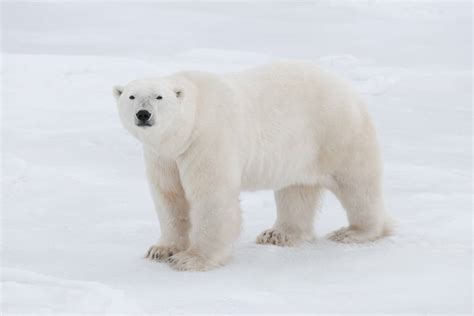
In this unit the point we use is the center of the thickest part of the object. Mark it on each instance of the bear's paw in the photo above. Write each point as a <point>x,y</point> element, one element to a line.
<point>277,238</point>
<point>351,235</point>
<point>188,261</point>
<point>160,252</point>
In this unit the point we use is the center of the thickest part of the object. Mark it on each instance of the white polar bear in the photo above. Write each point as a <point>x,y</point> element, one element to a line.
<point>290,127</point>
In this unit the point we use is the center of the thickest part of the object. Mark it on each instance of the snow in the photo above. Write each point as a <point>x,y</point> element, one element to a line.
<point>77,216</point>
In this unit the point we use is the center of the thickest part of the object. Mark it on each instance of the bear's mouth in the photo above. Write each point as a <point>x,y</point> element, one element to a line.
<point>144,124</point>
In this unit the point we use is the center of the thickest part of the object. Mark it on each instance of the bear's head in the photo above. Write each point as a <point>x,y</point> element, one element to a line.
<point>159,112</point>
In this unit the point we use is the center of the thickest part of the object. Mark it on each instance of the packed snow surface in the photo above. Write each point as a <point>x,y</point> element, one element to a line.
<point>77,216</point>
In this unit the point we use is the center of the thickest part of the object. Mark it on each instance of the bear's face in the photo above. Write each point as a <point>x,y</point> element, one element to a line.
<point>155,111</point>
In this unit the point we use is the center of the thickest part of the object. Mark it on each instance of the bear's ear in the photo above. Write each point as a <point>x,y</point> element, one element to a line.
<point>117,91</point>
<point>179,93</point>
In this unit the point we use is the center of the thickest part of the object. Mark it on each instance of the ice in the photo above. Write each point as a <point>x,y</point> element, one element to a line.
<point>77,216</point>
<point>48,294</point>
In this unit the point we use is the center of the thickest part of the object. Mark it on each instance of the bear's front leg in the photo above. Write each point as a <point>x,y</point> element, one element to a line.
<point>171,206</point>
<point>213,195</point>
<point>215,225</point>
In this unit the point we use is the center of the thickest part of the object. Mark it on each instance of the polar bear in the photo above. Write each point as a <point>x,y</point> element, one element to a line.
<point>290,127</point>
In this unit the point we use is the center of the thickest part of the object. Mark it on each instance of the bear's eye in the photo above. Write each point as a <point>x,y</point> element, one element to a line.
<point>159,97</point>
<point>131,97</point>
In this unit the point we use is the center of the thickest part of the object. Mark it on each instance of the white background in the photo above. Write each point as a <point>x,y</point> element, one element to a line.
<point>77,216</point>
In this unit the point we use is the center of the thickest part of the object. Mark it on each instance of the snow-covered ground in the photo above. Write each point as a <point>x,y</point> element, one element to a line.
<point>77,217</point>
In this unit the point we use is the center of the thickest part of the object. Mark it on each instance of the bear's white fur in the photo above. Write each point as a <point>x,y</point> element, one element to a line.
<point>290,127</point>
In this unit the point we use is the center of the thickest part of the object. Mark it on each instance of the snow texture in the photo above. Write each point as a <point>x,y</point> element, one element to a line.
<point>77,216</point>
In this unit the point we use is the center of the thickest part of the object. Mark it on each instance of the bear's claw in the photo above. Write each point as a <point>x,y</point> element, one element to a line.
<point>277,238</point>
<point>161,253</point>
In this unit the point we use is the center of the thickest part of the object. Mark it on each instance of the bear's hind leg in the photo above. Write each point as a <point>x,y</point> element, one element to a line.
<point>296,208</point>
<point>363,202</point>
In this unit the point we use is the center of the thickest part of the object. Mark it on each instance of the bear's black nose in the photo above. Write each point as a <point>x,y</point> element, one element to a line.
<point>143,115</point>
